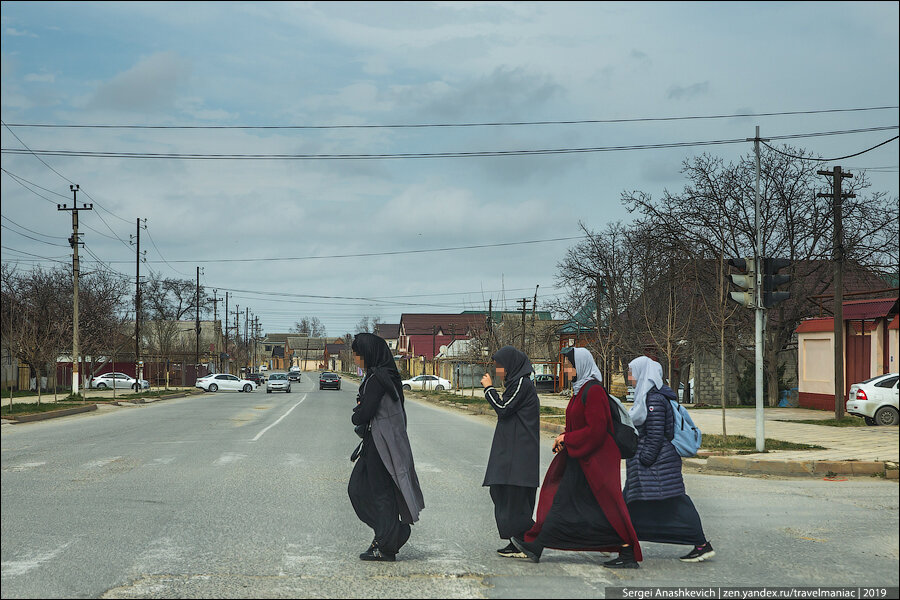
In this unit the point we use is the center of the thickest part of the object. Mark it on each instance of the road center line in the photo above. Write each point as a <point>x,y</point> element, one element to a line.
<point>260,434</point>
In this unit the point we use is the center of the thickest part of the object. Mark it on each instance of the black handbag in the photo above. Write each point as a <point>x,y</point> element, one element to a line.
<point>356,452</point>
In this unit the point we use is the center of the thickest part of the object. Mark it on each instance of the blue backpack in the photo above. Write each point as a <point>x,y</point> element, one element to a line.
<point>687,435</point>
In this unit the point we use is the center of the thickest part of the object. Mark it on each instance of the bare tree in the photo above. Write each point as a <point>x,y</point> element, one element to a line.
<point>310,327</point>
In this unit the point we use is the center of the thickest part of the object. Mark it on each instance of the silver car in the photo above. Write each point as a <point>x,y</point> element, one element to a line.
<point>278,382</point>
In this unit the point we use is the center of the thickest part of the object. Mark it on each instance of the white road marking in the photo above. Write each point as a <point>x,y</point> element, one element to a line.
<point>260,434</point>
<point>230,457</point>
<point>24,467</point>
<point>20,567</point>
<point>96,464</point>
<point>165,460</point>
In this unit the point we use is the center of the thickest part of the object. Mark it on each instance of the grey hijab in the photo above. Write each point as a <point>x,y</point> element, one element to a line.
<point>585,369</point>
<point>647,374</point>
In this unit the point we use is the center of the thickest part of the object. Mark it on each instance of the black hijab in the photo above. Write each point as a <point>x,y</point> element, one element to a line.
<point>379,361</point>
<point>516,364</point>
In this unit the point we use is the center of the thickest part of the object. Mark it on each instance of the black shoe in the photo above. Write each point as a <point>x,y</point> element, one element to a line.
<point>699,553</point>
<point>531,551</point>
<point>625,560</point>
<point>376,554</point>
<point>511,552</point>
<point>371,546</point>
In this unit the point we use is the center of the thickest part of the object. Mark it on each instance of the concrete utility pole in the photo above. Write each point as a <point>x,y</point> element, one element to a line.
<point>237,329</point>
<point>247,334</point>
<point>524,302</point>
<point>837,204</point>
<point>138,366</point>
<point>227,314</point>
<point>197,326</point>
<point>74,242</point>
<point>760,310</point>
<point>215,300</point>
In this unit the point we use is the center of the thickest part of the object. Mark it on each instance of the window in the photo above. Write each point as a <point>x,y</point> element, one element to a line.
<point>221,376</point>
<point>231,378</point>
<point>888,382</point>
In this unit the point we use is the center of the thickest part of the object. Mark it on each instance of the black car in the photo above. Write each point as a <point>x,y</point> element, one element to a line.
<point>545,383</point>
<point>294,375</point>
<point>257,378</point>
<point>329,380</point>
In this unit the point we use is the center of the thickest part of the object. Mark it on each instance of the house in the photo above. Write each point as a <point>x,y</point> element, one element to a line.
<point>390,333</point>
<point>421,336</point>
<point>305,352</point>
<point>334,356</point>
<point>270,351</point>
<point>870,338</point>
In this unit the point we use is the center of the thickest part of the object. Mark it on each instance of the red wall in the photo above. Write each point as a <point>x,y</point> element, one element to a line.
<point>817,401</point>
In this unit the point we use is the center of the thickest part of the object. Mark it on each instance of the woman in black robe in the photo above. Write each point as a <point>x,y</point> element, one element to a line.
<point>383,488</point>
<point>513,470</point>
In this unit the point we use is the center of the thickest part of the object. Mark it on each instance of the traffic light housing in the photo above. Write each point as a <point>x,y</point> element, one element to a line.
<point>771,280</point>
<point>746,280</point>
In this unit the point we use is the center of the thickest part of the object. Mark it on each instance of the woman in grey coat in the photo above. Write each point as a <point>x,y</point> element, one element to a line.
<point>383,488</point>
<point>660,509</point>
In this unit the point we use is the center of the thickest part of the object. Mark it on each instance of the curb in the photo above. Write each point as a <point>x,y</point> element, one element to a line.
<point>802,467</point>
<point>52,414</point>
<point>479,409</point>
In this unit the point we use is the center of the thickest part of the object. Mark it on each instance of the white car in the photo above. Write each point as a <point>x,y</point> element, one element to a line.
<point>278,382</point>
<point>875,400</point>
<point>118,381</point>
<point>224,381</point>
<point>426,382</point>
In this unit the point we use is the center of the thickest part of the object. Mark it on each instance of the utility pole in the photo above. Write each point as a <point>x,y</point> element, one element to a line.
<point>74,241</point>
<point>837,204</point>
<point>524,302</point>
<point>255,339</point>
<point>138,366</point>
<point>247,335</point>
<point>237,330</point>
<point>533,317</point>
<point>433,350</point>
<point>197,327</point>
<point>228,360</point>
<point>760,310</point>
<point>215,300</point>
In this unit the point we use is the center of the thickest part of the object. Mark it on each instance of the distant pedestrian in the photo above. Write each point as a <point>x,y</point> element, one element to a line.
<point>513,469</point>
<point>383,488</point>
<point>581,505</point>
<point>660,509</point>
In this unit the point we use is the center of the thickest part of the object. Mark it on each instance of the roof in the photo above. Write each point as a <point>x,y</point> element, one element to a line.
<point>816,325</point>
<point>277,338</point>
<point>869,309</point>
<point>335,348</point>
<point>302,343</point>
<point>429,345</point>
<point>423,323</point>
<point>895,324</point>
<point>388,331</point>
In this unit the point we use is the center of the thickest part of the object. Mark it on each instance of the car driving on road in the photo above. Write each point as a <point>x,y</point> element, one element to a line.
<point>278,382</point>
<point>426,382</point>
<point>331,380</point>
<point>225,382</point>
<point>293,376</point>
<point>875,400</point>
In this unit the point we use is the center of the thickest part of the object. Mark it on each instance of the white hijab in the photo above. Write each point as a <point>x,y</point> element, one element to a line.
<point>647,374</point>
<point>585,369</point>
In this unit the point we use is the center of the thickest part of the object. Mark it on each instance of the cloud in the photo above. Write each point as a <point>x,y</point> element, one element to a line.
<point>150,85</point>
<point>15,32</point>
<point>677,92</point>
<point>41,78</point>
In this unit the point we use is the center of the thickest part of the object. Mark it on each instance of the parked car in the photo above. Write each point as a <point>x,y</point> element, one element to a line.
<point>294,375</point>
<point>328,379</point>
<point>257,378</point>
<point>546,383</point>
<point>118,381</point>
<point>224,381</point>
<point>426,382</point>
<point>875,400</point>
<point>278,382</point>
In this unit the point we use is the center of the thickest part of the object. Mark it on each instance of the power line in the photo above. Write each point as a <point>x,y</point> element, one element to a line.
<point>56,237</point>
<point>830,159</point>
<point>35,255</point>
<point>147,229</point>
<point>450,125</point>
<point>31,237</point>
<point>366,254</point>
<point>472,154</point>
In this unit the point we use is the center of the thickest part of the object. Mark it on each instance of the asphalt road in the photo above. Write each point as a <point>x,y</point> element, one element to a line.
<point>244,495</point>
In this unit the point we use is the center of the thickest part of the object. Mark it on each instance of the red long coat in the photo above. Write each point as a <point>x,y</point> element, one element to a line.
<point>587,439</point>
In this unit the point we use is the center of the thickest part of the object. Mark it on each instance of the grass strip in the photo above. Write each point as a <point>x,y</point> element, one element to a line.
<point>32,408</point>
<point>847,421</point>
<point>740,442</point>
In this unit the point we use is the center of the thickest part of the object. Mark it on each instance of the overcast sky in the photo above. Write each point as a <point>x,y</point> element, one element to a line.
<point>315,64</point>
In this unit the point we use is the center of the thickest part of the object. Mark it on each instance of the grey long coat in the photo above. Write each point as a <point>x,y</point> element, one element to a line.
<point>391,441</point>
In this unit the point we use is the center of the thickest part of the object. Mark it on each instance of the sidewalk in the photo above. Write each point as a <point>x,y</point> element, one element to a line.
<point>89,394</point>
<point>848,450</point>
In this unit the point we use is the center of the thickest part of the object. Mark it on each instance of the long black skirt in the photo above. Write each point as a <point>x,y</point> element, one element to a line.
<point>513,509</point>
<point>670,521</point>
<point>576,521</point>
<point>376,499</point>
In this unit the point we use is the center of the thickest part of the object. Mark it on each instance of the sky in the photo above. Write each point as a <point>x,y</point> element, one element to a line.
<point>323,65</point>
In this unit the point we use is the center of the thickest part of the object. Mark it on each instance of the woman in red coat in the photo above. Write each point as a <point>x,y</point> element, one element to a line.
<point>581,505</point>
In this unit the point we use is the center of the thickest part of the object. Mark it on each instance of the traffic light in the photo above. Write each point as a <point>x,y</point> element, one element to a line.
<point>771,280</point>
<point>747,281</point>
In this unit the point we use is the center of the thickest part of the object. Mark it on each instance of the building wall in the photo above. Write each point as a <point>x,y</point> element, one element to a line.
<point>709,380</point>
<point>893,349</point>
